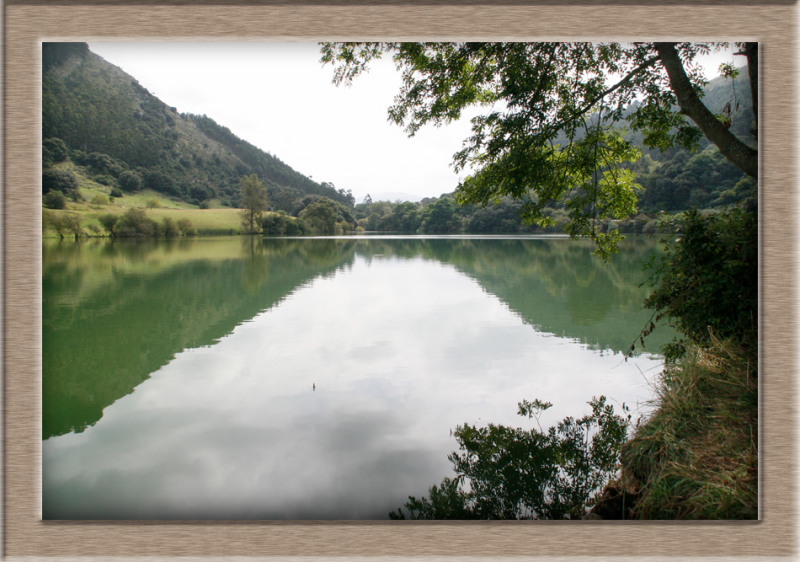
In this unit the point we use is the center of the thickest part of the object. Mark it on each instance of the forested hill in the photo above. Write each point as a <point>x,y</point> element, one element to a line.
<point>115,127</point>
<point>678,179</point>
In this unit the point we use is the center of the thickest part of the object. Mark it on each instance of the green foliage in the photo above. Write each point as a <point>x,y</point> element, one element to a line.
<point>103,164</point>
<point>136,223</point>
<point>702,180</point>
<point>281,224</point>
<point>59,180</point>
<point>169,228</point>
<point>55,200</point>
<point>320,217</point>
<point>64,223</point>
<point>56,54</point>
<point>254,201</point>
<point>53,152</point>
<point>706,283</point>
<point>446,501</point>
<point>406,217</point>
<point>324,216</point>
<point>546,136</point>
<point>130,181</point>
<point>185,227</point>
<point>160,181</point>
<point>516,473</point>
<point>109,222</point>
<point>441,217</point>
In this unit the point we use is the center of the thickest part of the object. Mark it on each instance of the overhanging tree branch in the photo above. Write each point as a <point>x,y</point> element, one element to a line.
<point>731,147</point>
<point>625,80</point>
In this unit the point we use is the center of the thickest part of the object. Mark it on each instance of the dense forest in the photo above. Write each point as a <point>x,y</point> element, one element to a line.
<point>116,134</point>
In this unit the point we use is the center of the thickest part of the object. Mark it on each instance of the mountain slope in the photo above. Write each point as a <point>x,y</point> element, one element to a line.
<point>97,109</point>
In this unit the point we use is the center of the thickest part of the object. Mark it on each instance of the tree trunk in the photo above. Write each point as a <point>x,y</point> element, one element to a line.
<point>731,147</point>
<point>751,52</point>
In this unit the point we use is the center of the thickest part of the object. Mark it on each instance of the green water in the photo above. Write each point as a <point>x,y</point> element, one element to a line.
<point>241,378</point>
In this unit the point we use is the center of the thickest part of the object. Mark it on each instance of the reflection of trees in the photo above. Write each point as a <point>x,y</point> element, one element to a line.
<point>560,288</point>
<point>116,311</point>
<point>256,264</point>
<point>554,284</point>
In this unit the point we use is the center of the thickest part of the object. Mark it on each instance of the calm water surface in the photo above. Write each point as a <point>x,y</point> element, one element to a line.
<point>237,378</point>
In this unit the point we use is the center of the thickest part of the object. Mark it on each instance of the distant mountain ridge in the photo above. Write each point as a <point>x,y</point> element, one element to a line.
<point>98,109</point>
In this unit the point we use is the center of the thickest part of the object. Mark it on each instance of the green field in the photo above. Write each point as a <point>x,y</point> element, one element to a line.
<point>97,202</point>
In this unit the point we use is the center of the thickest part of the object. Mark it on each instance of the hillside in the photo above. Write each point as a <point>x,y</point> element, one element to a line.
<point>678,179</point>
<point>105,135</point>
<point>129,139</point>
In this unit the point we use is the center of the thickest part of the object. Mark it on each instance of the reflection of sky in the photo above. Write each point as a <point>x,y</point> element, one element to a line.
<point>401,351</point>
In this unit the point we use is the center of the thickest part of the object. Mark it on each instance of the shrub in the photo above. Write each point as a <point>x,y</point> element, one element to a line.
<point>64,223</point>
<point>707,279</point>
<point>320,216</point>
<point>55,200</point>
<point>136,223</point>
<point>105,164</point>
<point>159,181</point>
<point>59,180</point>
<point>281,224</point>
<point>185,227</point>
<point>104,179</point>
<point>53,151</point>
<point>75,195</point>
<point>129,181</point>
<point>169,228</point>
<point>109,221</point>
<point>199,192</point>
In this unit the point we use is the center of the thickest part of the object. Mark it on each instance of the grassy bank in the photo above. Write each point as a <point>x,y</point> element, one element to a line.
<point>212,221</point>
<point>95,200</point>
<point>696,457</point>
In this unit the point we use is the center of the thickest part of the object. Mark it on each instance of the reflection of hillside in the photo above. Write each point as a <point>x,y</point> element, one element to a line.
<point>114,312</point>
<point>559,288</point>
<point>106,329</point>
<point>553,284</point>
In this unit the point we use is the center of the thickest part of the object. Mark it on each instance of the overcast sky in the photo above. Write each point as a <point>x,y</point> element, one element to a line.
<point>280,98</point>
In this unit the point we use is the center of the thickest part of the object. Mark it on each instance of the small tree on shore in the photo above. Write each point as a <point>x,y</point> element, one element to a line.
<point>64,223</point>
<point>254,202</point>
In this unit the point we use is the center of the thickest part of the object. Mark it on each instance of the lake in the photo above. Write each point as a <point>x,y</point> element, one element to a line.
<point>314,378</point>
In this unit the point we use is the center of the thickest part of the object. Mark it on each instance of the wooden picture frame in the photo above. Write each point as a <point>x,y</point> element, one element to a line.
<point>29,22</point>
